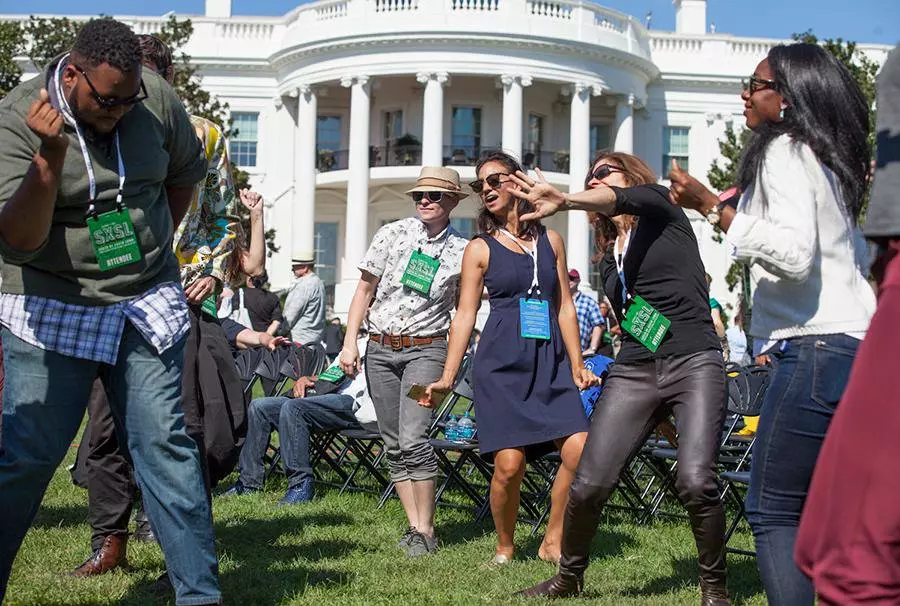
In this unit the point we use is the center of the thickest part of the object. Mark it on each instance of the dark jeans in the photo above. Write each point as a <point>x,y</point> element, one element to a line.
<point>810,380</point>
<point>44,402</point>
<point>635,398</point>
<point>294,419</point>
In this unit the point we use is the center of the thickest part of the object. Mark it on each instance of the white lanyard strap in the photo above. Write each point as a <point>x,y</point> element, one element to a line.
<point>89,165</point>
<point>620,263</point>
<point>533,253</point>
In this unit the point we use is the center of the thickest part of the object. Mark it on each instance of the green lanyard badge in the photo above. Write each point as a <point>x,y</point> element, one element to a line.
<point>420,272</point>
<point>113,239</point>
<point>645,324</point>
<point>332,374</point>
<point>209,306</point>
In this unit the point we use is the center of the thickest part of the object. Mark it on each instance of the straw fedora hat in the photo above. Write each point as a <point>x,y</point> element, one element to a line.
<point>304,257</point>
<point>437,178</point>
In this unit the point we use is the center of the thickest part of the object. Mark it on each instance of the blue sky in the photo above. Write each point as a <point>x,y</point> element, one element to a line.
<point>860,20</point>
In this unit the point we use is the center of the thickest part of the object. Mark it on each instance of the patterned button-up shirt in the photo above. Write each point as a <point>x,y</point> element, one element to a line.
<point>206,235</point>
<point>398,309</point>
<point>588,317</point>
<point>95,333</point>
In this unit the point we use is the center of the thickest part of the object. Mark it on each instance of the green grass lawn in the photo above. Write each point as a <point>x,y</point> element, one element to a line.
<point>342,550</point>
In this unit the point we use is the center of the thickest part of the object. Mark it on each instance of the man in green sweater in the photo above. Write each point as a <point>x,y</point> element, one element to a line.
<point>97,163</point>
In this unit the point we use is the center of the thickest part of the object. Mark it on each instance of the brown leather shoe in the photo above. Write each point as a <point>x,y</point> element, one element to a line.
<point>714,595</point>
<point>110,555</point>
<point>557,586</point>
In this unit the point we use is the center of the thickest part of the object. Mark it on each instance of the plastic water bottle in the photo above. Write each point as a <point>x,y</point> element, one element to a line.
<point>451,429</point>
<point>465,428</point>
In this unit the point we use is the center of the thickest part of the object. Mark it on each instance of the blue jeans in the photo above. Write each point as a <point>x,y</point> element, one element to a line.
<point>44,401</point>
<point>809,381</point>
<point>294,419</point>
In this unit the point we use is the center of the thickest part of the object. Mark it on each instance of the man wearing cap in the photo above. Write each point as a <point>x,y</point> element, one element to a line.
<point>412,271</point>
<point>590,322</point>
<point>304,307</point>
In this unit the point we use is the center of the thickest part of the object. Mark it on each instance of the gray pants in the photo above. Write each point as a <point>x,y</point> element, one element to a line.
<point>402,422</point>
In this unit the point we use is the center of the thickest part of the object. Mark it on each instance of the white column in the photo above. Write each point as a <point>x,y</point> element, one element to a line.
<point>281,186</point>
<point>511,138</point>
<point>433,117</point>
<point>304,217</point>
<point>625,125</point>
<point>579,245</point>
<point>357,219</point>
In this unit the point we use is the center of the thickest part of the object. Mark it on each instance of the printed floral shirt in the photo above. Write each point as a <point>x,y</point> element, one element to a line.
<point>398,309</point>
<point>205,237</point>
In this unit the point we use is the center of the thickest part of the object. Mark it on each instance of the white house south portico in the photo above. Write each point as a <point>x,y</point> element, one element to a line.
<point>338,104</point>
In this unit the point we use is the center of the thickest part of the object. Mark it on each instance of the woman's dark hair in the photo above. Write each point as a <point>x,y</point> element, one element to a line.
<point>636,172</point>
<point>487,222</point>
<point>234,263</point>
<point>826,110</point>
<point>157,52</point>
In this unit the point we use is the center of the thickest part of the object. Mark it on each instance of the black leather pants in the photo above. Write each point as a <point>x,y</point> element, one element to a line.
<point>635,398</point>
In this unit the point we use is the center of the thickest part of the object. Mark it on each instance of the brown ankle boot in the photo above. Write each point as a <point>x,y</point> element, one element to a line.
<point>110,555</point>
<point>557,586</point>
<point>714,595</point>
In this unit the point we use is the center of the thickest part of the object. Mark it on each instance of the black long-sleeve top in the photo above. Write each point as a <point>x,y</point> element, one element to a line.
<point>662,265</point>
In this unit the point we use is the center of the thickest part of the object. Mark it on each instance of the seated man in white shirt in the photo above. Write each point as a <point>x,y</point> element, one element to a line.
<point>347,407</point>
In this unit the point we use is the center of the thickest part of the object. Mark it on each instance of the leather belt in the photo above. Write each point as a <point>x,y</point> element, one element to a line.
<point>398,342</point>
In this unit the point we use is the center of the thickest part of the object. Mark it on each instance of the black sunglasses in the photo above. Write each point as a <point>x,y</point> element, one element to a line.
<point>755,84</point>
<point>604,171</point>
<point>493,182</point>
<point>419,197</point>
<point>111,102</point>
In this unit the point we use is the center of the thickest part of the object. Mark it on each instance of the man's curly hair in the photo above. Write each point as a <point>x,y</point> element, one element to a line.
<point>108,41</point>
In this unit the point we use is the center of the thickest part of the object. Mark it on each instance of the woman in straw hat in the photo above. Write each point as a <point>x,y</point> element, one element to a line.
<point>410,277</point>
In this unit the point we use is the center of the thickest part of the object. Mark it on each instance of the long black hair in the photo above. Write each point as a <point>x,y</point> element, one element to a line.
<point>826,110</point>
<point>487,222</point>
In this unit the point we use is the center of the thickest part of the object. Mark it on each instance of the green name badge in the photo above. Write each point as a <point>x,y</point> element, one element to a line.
<point>646,324</point>
<point>332,374</point>
<point>420,272</point>
<point>209,306</point>
<point>112,235</point>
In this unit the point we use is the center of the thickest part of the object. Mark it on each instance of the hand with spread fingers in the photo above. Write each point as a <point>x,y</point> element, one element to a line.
<point>546,199</point>
<point>688,192</point>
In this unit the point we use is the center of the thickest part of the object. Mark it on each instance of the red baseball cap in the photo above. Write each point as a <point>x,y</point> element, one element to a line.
<point>574,275</point>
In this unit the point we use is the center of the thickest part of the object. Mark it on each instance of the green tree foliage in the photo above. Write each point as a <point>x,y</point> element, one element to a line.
<point>48,37</point>
<point>11,46</point>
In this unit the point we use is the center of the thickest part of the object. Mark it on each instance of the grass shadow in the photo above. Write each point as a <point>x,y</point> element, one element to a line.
<point>743,579</point>
<point>61,516</point>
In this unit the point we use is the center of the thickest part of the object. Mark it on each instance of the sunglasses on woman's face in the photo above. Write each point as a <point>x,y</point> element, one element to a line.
<point>424,197</point>
<point>604,171</point>
<point>493,182</point>
<point>755,84</point>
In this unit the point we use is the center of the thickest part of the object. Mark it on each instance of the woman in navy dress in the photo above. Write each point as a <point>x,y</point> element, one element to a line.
<point>526,389</point>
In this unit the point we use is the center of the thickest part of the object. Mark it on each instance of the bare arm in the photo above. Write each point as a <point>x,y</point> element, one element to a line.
<point>596,335</point>
<point>26,217</point>
<point>474,266</point>
<point>548,200</point>
<point>568,317</point>
<point>273,327</point>
<point>717,322</point>
<point>254,261</point>
<point>179,201</point>
<point>365,291</point>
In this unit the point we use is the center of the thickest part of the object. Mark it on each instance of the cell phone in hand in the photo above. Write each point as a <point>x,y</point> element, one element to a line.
<point>417,393</point>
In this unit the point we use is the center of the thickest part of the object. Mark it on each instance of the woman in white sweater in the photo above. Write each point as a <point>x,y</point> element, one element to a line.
<point>803,175</point>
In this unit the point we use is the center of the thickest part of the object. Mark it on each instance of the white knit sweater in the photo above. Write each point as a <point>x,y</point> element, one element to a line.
<point>808,261</point>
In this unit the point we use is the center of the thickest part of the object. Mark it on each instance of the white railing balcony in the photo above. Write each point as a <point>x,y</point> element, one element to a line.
<point>568,20</point>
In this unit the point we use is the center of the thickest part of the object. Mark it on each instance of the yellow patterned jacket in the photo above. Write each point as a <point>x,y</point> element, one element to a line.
<point>206,235</point>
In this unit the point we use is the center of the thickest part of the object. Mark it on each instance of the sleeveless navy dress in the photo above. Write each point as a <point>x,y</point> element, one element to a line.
<point>524,393</point>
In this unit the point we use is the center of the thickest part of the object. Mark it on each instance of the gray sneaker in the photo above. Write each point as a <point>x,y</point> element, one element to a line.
<point>420,544</point>
<point>403,543</point>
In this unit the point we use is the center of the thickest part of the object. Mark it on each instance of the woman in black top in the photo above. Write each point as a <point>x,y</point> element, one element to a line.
<point>679,369</point>
<point>263,306</point>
